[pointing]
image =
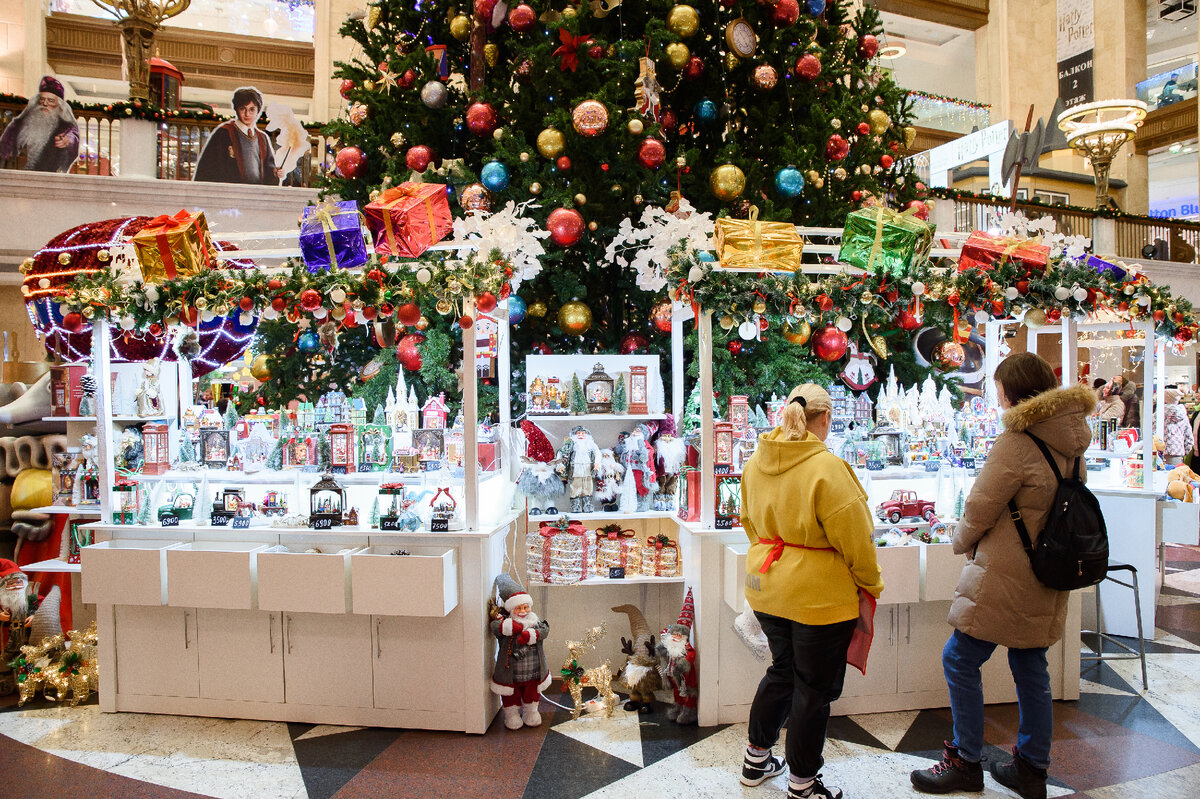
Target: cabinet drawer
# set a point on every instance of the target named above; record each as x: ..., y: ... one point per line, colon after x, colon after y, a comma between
x: 901, y: 567
x: 212, y: 574
x: 735, y: 575
x: 125, y: 572
x: 942, y: 570
x: 1180, y: 522
x: 304, y: 582
x: 424, y: 583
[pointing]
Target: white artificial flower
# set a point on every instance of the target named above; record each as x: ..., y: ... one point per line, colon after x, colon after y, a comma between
x: 518, y: 238
x: 657, y: 233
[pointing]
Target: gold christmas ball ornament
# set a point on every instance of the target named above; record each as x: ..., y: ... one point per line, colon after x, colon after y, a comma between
x: 27, y: 264
x: 397, y: 139
x: 581, y: 199
x: 683, y: 21
x: 444, y: 307
x: 1035, y: 318
x: 635, y: 127
x: 535, y: 188
x: 835, y: 123
x: 592, y: 226
x: 460, y: 27
x: 260, y: 368
x: 88, y: 312
x: 574, y: 318
x: 550, y: 142
x: 369, y: 85
x: 568, y: 12
x: 764, y: 78
x: 536, y: 309
x: 819, y: 182
x: 590, y: 118
x: 64, y: 258
x: 839, y: 173
x: 726, y: 322
x: 878, y: 120
x: 732, y: 62
x: 798, y: 334
x: 812, y: 176
x: 760, y: 306
x: 491, y: 54
x: 910, y: 135
x: 454, y: 287
x: 422, y: 323
x: 678, y: 54
x: 727, y: 182
x: 103, y: 255
x: 201, y: 303
x: 524, y: 157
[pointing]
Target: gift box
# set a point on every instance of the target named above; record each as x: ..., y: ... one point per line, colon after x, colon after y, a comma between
x: 331, y: 237
x: 753, y: 246
x: 660, y: 557
x: 174, y: 246
x: 559, y: 553
x: 689, y: 495
x: 487, y: 456
x: 885, y: 242
x: 985, y: 251
x: 1101, y: 266
x: 616, y: 548
x: 409, y: 219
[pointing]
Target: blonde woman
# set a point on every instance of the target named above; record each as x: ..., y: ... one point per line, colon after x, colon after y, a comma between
x: 811, y: 552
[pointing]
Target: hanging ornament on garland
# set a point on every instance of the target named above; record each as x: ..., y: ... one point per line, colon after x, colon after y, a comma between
x: 522, y: 18
x: 419, y: 157
x: 481, y: 119
x: 260, y: 368
x: 868, y: 46
x: 651, y: 153
x: 345, y: 89
x: 407, y: 353
x: 727, y: 182
x: 351, y: 162
x: 879, y: 121
x: 949, y: 355
x: 590, y: 118
x: 575, y: 318
x: 460, y: 27
x: 764, y: 78
x: 475, y: 198
x: 789, y: 182
x: 786, y: 13
x: 799, y: 334
x: 808, y: 67
x: 705, y: 112
x: 829, y: 344
x: 537, y: 309
x: 434, y: 94
x: 694, y: 69
x: 357, y: 113
x: 550, y: 142
x: 517, y: 310
x: 683, y: 21
x: 678, y: 54
x: 494, y: 176
x: 308, y: 342
x: 565, y: 226
x: 836, y: 148
x: 632, y: 342
x: 660, y: 316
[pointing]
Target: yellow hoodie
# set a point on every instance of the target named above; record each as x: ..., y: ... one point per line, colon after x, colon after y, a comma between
x: 802, y: 493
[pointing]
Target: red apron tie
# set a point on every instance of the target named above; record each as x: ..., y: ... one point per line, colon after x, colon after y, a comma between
x: 777, y: 551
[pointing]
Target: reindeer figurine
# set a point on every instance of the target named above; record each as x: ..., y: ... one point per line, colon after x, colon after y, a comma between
x: 576, y: 677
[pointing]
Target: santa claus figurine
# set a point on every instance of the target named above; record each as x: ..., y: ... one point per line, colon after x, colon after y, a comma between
x: 521, y: 673
x: 578, y: 460
x: 677, y: 660
x: 635, y: 452
x: 608, y: 480
x: 538, y: 480
x: 671, y: 453
x: 18, y: 602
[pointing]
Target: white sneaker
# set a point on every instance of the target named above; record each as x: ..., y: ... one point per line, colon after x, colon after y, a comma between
x: 530, y: 715
x: 512, y: 717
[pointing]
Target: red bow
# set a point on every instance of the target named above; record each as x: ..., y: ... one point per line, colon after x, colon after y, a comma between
x: 568, y: 52
x: 180, y: 219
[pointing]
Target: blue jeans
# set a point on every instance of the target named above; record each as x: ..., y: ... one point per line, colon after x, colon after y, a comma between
x: 962, y: 658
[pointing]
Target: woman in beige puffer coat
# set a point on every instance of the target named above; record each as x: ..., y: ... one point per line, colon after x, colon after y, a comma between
x: 999, y: 601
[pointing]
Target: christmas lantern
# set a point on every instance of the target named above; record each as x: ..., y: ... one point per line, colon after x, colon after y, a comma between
x: 639, y: 390
x: 341, y: 448
x: 326, y: 500
x: 156, y: 450
x: 598, y: 389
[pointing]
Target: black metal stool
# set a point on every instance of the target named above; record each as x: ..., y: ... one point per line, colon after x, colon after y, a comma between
x: 1133, y: 654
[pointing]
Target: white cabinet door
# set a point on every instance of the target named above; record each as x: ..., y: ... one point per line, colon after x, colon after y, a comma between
x: 410, y: 654
x: 880, y: 678
x: 922, y: 634
x: 327, y: 659
x: 156, y: 651
x: 241, y: 654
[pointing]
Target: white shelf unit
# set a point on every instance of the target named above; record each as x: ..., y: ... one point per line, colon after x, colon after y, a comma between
x: 68, y: 510
x: 53, y: 565
x: 603, y: 516
x: 596, y: 417
x: 606, y: 581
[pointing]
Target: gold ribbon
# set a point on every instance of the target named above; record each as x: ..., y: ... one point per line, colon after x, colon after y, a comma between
x: 884, y: 214
x: 393, y: 197
x: 324, y: 214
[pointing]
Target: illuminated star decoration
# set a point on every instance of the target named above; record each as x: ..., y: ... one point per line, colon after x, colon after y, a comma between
x: 387, y: 78
x: 569, y: 50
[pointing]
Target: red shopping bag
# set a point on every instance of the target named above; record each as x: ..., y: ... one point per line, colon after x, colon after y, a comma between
x: 864, y: 632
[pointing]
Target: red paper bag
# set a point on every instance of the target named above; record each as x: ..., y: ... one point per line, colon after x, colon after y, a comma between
x: 864, y: 632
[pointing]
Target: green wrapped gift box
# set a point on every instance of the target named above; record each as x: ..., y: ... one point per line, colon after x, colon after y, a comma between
x: 884, y: 241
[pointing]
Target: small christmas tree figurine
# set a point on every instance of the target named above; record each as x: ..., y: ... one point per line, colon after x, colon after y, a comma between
x: 275, y: 459
x: 231, y: 416
x: 959, y: 504
x: 375, y: 511
x: 380, y: 417
x: 578, y: 402
x: 324, y: 454
x: 187, y: 452
x: 620, y: 398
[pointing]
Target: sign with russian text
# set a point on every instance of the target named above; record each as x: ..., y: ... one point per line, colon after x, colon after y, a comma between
x: 1076, y: 45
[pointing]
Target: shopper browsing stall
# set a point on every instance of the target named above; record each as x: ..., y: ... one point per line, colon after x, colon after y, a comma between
x: 811, y: 552
x: 999, y: 601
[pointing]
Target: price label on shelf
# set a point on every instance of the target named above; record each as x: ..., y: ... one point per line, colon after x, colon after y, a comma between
x: 322, y: 524
x: 616, y: 572
x: 241, y: 523
x: 968, y: 463
x: 389, y: 524
x: 439, y: 525
x: 169, y: 521
x: 723, y: 523
x: 933, y: 465
x: 874, y: 465
x: 218, y: 521
x: 337, y: 470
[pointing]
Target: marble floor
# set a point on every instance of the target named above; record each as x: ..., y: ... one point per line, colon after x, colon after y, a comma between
x: 1116, y: 742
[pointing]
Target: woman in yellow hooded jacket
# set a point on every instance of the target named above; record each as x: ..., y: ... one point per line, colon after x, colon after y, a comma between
x: 811, y: 551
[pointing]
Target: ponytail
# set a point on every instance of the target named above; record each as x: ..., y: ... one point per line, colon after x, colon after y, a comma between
x: 795, y: 418
x: 805, y: 402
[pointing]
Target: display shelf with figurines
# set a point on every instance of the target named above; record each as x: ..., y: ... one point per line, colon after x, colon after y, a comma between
x: 550, y: 379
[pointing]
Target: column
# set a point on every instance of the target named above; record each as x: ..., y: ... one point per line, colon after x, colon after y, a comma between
x: 34, y: 56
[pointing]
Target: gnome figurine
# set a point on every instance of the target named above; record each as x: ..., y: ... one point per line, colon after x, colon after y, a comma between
x: 538, y: 479
x: 521, y: 673
x: 677, y: 661
x: 639, y: 676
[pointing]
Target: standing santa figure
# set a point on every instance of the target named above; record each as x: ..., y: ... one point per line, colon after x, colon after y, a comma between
x: 578, y: 460
x: 672, y: 453
x: 637, y: 455
x: 521, y: 673
x: 608, y: 480
x: 677, y: 661
x: 538, y: 480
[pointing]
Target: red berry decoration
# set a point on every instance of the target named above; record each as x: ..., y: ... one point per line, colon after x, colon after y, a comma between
x: 465, y: 322
x: 310, y: 300
x: 481, y: 119
x: 868, y: 46
x: 563, y: 163
x: 408, y: 314
x: 786, y: 12
x: 369, y: 312
x: 886, y: 161
x: 694, y: 69
x: 595, y: 52
x: 734, y: 347
x: 1160, y: 315
x: 651, y: 153
x: 351, y: 162
x: 346, y: 87
x: 246, y: 304
x: 808, y: 67
x: 73, y: 322
x: 486, y: 302
x: 836, y: 148
x: 279, y: 304
x: 669, y: 121
x: 863, y: 128
x: 894, y: 146
x: 829, y: 344
x: 522, y: 18
x: 1178, y: 316
x: 565, y: 226
x: 922, y: 211
x: 419, y: 157
x: 156, y: 329
x: 387, y: 309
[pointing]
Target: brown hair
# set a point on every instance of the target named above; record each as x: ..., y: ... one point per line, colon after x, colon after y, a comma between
x: 805, y: 401
x: 1025, y: 375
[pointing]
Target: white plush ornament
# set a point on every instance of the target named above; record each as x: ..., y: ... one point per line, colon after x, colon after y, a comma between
x: 337, y: 296
x: 207, y: 316
x: 518, y: 238
x: 1061, y: 293
x: 1143, y: 300
x: 695, y: 274
x: 245, y: 317
x: 747, y: 330
x: 1080, y: 294
x: 320, y: 313
x: 981, y: 316
x: 44, y: 283
x: 1012, y: 293
x: 127, y: 322
x: 918, y: 288
x: 270, y: 313
x: 424, y: 275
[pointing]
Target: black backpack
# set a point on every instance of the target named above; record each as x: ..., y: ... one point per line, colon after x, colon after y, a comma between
x: 1072, y: 551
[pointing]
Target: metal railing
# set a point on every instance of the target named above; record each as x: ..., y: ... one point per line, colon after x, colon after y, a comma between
x: 972, y: 213
x: 1173, y: 239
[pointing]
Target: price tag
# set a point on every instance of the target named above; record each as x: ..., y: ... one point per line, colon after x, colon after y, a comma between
x: 838, y: 426
x: 722, y: 469
x: 218, y: 521
x: 933, y: 466
x: 439, y: 525
x: 616, y: 572
x: 389, y: 523
x: 322, y: 524
x: 169, y: 521
x: 337, y: 470
x: 723, y: 523
x: 874, y: 465
x: 968, y: 463
x: 241, y: 523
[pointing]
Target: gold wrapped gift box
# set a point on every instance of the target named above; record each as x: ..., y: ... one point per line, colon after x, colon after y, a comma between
x: 752, y: 246
x: 174, y: 246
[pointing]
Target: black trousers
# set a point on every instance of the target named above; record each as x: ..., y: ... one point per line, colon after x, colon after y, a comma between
x: 808, y: 667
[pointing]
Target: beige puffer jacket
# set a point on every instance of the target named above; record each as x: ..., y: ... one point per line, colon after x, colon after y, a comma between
x: 998, y: 599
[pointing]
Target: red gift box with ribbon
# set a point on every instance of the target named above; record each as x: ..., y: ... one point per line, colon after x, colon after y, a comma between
x: 985, y: 251
x: 559, y: 552
x: 174, y: 246
x: 409, y: 219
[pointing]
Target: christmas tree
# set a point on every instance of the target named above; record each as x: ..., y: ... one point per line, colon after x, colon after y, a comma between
x: 576, y: 400
x: 959, y: 504
x: 231, y: 416
x: 275, y: 459
x: 596, y: 112
x: 620, y: 398
x: 187, y: 451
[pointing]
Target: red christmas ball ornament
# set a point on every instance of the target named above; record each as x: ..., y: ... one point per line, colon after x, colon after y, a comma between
x: 906, y: 320
x: 369, y: 312
x: 465, y: 322
x: 734, y: 347
x: 1023, y: 286
x: 1184, y: 334
x: 829, y: 344
x: 894, y: 146
x: 856, y: 195
x: 1054, y: 314
x: 350, y: 320
x: 669, y: 121
x: 868, y: 46
x: 481, y: 119
x: 1122, y: 306
x: 651, y: 153
x: 419, y: 157
x: 1160, y: 315
x: 155, y: 329
x: 541, y: 348
x: 891, y: 295
x: 522, y: 18
x: 278, y: 304
x: 486, y: 302
x: 387, y: 309
x: 808, y: 67
x: 997, y: 308
x: 346, y: 87
x: 246, y: 304
x: 565, y: 226
x: 836, y: 148
x: 595, y: 52
x: 73, y: 322
x: 824, y: 302
x: 407, y: 353
x: 1178, y: 316
x: 275, y: 284
x: 351, y: 162
x: 922, y: 210
x: 694, y: 69
x: 408, y: 314
x: 786, y: 13
x: 632, y: 342
x: 563, y: 163
x: 886, y: 161
x: 310, y: 300
x: 949, y: 355
x: 863, y: 128
x: 953, y: 299
x: 660, y: 316
x: 483, y: 9
x: 407, y: 78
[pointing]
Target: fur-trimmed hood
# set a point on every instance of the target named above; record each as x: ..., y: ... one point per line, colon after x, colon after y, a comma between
x: 1057, y: 416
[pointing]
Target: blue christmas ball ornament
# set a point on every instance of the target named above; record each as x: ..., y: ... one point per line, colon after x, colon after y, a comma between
x: 705, y: 112
x: 789, y: 182
x: 516, y: 310
x: 308, y: 342
x: 706, y: 256
x: 494, y: 176
x: 816, y: 7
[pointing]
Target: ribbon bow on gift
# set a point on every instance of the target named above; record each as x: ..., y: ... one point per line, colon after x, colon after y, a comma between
x: 160, y: 226
x: 324, y: 214
x: 181, y: 219
x: 661, y: 541
x: 884, y: 214
x: 614, y: 531
x: 569, y: 50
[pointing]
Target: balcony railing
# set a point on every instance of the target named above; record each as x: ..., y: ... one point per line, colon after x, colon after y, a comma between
x: 180, y: 141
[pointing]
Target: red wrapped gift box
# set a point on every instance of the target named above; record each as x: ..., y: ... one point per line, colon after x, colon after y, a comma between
x: 984, y: 251
x: 409, y: 219
x: 560, y: 554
